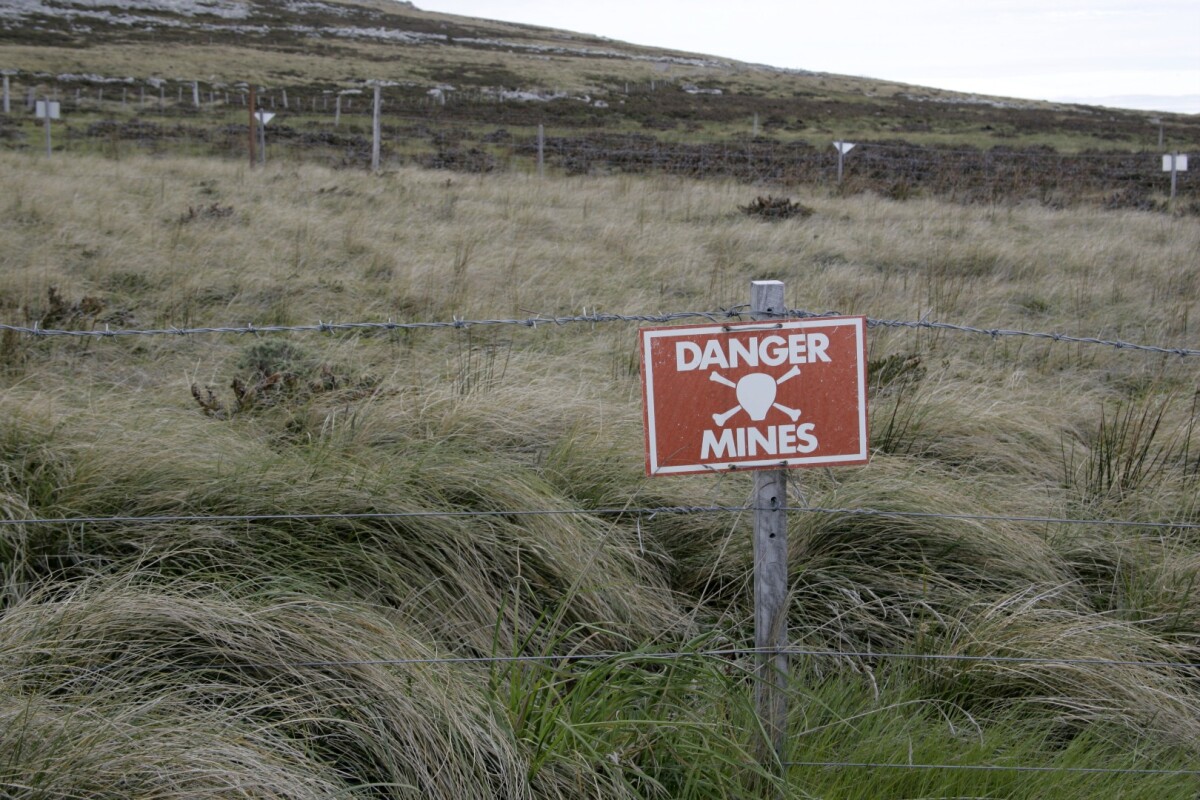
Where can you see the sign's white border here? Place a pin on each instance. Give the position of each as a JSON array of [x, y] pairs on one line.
[[859, 325]]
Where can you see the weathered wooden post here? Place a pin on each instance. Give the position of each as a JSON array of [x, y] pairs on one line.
[[767, 395], [541, 150], [770, 564], [46, 117], [376, 129], [842, 148], [1175, 163], [47, 110], [251, 103], [263, 118]]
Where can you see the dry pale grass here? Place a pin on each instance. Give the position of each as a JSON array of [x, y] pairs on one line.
[[489, 420], [284, 689]]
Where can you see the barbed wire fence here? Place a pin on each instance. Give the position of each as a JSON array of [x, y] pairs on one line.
[[882, 162], [730, 655], [594, 318]]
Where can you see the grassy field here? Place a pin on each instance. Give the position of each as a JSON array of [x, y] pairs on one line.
[[323, 657]]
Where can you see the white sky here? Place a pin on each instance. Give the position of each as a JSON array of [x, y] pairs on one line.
[[1125, 53]]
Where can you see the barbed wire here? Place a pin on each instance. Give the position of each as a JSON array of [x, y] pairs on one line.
[[1002, 332], [649, 512], [991, 768], [390, 325], [736, 652], [555, 661], [594, 318], [711, 653]]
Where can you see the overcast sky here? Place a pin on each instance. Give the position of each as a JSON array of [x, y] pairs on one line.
[[1125, 53]]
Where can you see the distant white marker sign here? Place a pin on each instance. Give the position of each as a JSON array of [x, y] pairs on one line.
[[47, 109], [265, 116], [844, 147], [1179, 165]]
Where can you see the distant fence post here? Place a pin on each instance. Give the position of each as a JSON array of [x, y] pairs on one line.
[[7, 105], [770, 569], [262, 136], [541, 150], [250, 104], [47, 110], [376, 129], [1174, 163]]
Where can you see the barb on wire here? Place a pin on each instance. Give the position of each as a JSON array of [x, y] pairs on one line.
[[720, 315]]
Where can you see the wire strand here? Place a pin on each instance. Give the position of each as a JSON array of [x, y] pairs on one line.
[[678, 655], [600, 512], [992, 768], [719, 315]]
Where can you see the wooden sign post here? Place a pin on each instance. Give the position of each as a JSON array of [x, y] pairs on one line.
[[376, 130], [251, 103], [47, 109], [1174, 163], [263, 118], [767, 395], [770, 566], [842, 148], [541, 145]]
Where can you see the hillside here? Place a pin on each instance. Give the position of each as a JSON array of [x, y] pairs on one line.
[[574, 80]]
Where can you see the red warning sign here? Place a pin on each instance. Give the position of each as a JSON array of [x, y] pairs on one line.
[[755, 395]]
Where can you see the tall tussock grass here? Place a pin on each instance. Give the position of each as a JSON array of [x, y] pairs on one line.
[[278, 685], [427, 563]]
